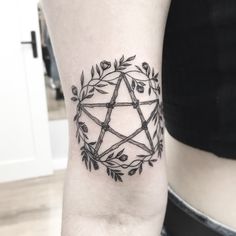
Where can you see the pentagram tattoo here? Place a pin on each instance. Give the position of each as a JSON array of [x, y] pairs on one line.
[[120, 85]]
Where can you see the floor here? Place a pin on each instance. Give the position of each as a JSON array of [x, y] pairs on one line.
[[32, 207]]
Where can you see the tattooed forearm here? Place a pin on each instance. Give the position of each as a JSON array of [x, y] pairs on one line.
[[143, 89]]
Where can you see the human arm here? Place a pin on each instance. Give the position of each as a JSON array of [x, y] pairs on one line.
[[85, 33]]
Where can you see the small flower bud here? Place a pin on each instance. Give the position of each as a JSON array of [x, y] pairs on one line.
[[123, 157], [105, 65], [145, 65], [140, 89]]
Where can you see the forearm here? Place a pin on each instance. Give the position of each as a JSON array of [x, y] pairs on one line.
[[116, 182]]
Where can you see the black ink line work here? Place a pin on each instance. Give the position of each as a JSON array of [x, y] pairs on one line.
[[138, 80]]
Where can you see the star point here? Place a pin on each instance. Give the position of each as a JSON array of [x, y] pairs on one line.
[[105, 125]]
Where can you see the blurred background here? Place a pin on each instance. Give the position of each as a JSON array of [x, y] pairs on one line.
[[33, 137]]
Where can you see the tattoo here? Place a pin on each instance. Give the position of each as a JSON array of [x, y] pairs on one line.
[[139, 81]]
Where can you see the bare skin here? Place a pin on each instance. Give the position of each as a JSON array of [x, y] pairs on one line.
[[204, 180], [86, 33]]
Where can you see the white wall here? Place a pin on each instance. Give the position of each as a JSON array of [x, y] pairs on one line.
[[59, 143]]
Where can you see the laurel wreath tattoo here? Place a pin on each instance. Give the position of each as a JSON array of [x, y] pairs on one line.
[[138, 80]]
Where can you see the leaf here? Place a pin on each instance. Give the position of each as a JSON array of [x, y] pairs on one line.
[[155, 78], [150, 163], [92, 71], [122, 68], [92, 143], [133, 84], [83, 95], [142, 155], [79, 112], [140, 169], [84, 128], [74, 99], [149, 91], [115, 64], [77, 133], [95, 165], [91, 149], [108, 171], [91, 90], [110, 163], [90, 95], [126, 64], [120, 152], [148, 71], [101, 85], [86, 163], [98, 70], [75, 117], [139, 68], [110, 156], [115, 174], [155, 121], [90, 165], [154, 160], [141, 83], [132, 172], [122, 59], [101, 91], [131, 58], [155, 133], [162, 130], [74, 90], [153, 73], [154, 116], [82, 79], [119, 178], [111, 83]]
